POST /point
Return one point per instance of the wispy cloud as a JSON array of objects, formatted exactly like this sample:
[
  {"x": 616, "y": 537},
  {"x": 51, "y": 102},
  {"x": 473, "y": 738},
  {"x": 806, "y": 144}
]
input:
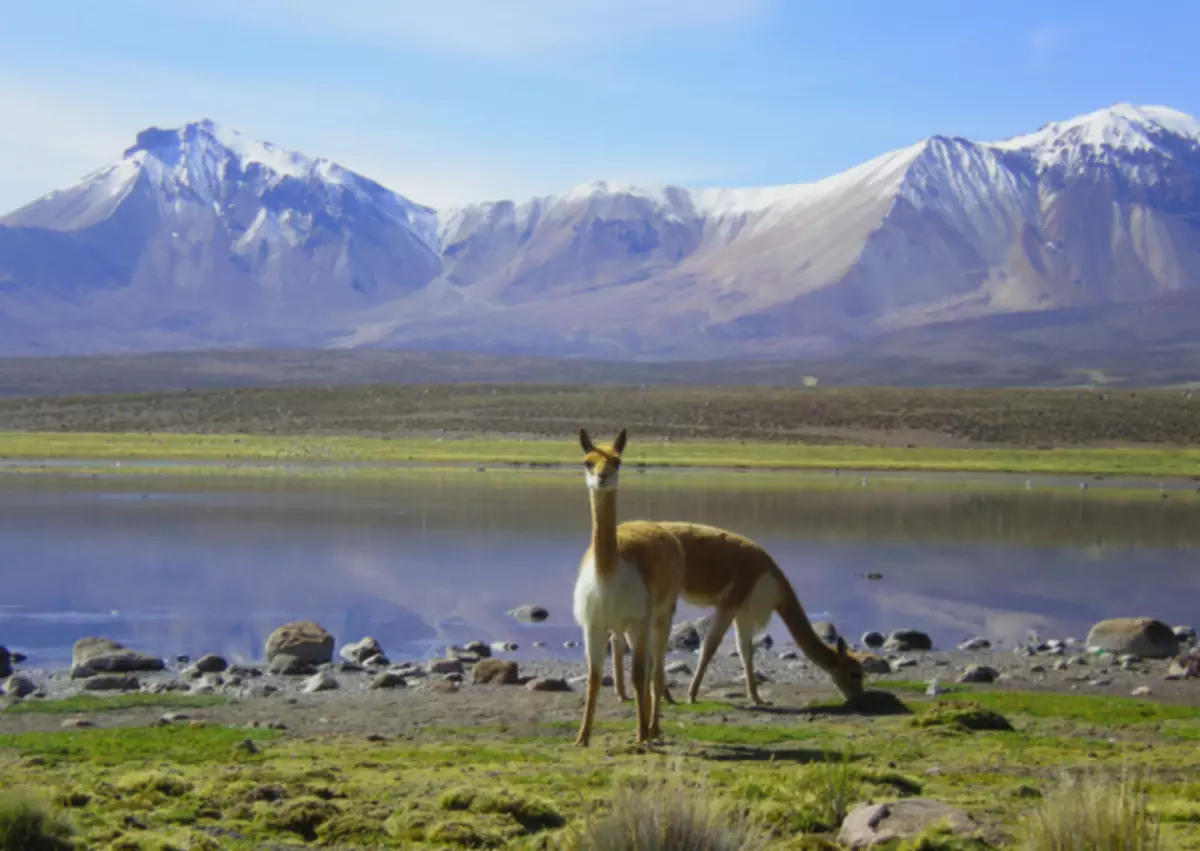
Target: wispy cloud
[
  {"x": 1042, "y": 45},
  {"x": 512, "y": 29},
  {"x": 53, "y": 134}
]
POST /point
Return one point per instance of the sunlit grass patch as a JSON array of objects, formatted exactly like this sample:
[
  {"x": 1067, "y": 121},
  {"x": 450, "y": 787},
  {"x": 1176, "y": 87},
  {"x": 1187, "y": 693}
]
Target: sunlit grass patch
[
  {"x": 172, "y": 743},
  {"x": 89, "y": 703}
]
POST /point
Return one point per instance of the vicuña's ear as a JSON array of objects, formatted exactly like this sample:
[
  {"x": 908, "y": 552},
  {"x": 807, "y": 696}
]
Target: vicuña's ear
[
  {"x": 585, "y": 441},
  {"x": 841, "y": 647},
  {"x": 619, "y": 443}
]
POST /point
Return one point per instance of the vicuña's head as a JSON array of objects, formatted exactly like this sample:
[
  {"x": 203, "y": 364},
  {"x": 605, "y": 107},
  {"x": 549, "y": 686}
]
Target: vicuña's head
[
  {"x": 602, "y": 463},
  {"x": 847, "y": 673}
]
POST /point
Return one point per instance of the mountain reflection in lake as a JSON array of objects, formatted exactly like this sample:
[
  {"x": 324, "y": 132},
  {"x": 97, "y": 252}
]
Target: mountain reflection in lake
[{"x": 193, "y": 566}]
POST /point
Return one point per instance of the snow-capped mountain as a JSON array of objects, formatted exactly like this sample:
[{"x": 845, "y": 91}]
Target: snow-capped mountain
[{"x": 201, "y": 237}]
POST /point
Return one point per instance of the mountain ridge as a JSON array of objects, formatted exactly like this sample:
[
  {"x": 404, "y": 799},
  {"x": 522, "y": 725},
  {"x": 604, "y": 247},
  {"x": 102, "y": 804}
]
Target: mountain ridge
[{"x": 201, "y": 237}]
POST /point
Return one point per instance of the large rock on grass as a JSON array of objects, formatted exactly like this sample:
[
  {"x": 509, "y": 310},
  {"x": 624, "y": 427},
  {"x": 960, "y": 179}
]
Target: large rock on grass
[
  {"x": 302, "y": 640},
  {"x": 875, "y": 824},
  {"x": 1144, "y": 637},
  {"x": 102, "y": 655}
]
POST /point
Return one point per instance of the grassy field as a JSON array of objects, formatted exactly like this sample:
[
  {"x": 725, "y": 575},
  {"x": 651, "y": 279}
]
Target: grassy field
[
  {"x": 365, "y": 450},
  {"x": 894, "y": 417},
  {"x": 789, "y": 778}
]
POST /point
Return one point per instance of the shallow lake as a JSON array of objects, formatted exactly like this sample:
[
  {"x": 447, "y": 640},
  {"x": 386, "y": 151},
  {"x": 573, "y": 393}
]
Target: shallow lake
[{"x": 423, "y": 559}]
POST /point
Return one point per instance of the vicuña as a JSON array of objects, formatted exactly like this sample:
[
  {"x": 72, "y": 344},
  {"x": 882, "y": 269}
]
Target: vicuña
[
  {"x": 628, "y": 585},
  {"x": 737, "y": 576}
]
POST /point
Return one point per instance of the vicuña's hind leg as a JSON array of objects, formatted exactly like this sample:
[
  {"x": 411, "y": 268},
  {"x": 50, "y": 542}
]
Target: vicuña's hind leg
[
  {"x": 660, "y": 633},
  {"x": 618, "y": 666},
  {"x": 712, "y": 640},
  {"x": 594, "y": 639},
  {"x": 745, "y": 640}
]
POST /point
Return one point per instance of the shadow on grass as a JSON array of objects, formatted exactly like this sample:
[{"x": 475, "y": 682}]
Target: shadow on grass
[
  {"x": 871, "y": 703},
  {"x": 748, "y": 753}
]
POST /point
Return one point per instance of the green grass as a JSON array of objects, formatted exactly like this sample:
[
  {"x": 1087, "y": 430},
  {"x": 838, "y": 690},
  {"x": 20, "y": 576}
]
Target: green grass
[
  {"x": 174, "y": 743},
  {"x": 28, "y": 825},
  {"x": 1090, "y": 709},
  {"x": 788, "y": 778},
  {"x": 727, "y": 454},
  {"x": 90, "y": 703}
]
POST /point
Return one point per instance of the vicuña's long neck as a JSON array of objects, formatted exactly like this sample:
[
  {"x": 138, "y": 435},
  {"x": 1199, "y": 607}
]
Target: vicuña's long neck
[
  {"x": 792, "y": 613},
  {"x": 604, "y": 530}
]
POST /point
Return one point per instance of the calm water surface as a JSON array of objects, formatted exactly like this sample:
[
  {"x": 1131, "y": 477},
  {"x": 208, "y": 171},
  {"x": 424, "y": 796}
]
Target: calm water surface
[{"x": 178, "y": 566}]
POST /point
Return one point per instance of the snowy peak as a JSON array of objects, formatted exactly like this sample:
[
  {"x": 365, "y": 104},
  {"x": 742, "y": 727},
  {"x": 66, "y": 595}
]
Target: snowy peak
[
  {"x": 1119, "y": 130},
  {"x": 206, "y": 140}
]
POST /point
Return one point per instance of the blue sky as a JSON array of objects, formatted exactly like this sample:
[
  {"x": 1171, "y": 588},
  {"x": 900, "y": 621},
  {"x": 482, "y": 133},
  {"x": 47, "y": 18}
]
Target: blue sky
[{"x": 449, "y": 101}]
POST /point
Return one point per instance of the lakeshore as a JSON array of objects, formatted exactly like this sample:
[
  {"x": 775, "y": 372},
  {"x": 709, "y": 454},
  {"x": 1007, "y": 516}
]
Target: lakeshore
[{"x": 193, "y": 454}]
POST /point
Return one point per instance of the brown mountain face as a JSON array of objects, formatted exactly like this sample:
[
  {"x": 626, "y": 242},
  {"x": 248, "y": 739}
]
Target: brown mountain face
[{"x": 200, "y": 238}]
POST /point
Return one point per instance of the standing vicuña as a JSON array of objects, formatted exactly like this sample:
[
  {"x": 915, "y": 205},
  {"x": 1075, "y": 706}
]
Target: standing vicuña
[
  {"x": 628, "y": 585},
  {"x": 739, "y": 578}
]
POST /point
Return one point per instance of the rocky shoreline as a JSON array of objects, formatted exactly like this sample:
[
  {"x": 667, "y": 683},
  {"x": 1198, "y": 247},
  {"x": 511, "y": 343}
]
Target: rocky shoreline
[{"x": 1137, "y": 657}]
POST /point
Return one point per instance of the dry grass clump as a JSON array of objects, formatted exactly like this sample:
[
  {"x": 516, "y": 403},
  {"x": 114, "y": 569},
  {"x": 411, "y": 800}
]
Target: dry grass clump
[
  {"x": 26, "y": 825},
  {"x": 1092, "y": 811},
  {"x": 667, "y": 815}
]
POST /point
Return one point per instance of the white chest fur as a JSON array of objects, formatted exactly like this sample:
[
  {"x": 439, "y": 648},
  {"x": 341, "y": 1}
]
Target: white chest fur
[{"x": 616, "y": 601}]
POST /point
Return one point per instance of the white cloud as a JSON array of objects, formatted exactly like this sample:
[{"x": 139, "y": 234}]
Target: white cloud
[{"x": 511, "y": 29}]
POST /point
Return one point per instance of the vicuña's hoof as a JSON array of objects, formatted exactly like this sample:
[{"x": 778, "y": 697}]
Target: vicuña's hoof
[{"x": 581, "y": 742}]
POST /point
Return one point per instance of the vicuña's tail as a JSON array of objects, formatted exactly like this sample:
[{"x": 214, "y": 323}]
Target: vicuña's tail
[{"x": 796, "y": 620}]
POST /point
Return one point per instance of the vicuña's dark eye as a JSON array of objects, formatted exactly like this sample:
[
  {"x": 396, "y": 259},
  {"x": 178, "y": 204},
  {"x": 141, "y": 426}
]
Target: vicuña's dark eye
[{"x": 589, "y": 465}]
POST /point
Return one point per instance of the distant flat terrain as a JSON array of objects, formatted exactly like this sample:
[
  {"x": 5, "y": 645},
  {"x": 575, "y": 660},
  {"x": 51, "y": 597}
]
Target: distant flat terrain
[
  {"x": 895, "y": 417},
  {"x": 1036, "y": 351}
]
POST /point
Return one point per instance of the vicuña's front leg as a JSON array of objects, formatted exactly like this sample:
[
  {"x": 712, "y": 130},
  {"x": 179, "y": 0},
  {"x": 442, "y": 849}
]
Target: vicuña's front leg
[
  {"x": 745, "y": 638},
  {"x": 593, "y": 642}
]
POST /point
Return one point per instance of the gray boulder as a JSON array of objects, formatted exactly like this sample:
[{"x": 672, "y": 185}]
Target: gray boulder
[
  {"x": 548, "y": 684},
  {"x": 529, "y": 613},
  {"x": 875, "y": 824},
  {"x": 361, "y": 651},
  {"x": 305, "y": 640},
  {"x": 689, "y": 635},
  {"x": 286, "y": 665},
  {"x": 321, "y": 681},
  {"x": 445, "y": 666},
  {"x": 112, "y": 682},
  {"x": 1145, "y": 637},
  {"x": 388, "y": 680},
  {"x": 210, "y": 663},
  {"x": 905, "y": 640},
  {"x": 978, "y": 674},
  {"x": 19, "y": 685},
  {"x": 102, "y": 655},
  {"x": 872, "y": 640}
]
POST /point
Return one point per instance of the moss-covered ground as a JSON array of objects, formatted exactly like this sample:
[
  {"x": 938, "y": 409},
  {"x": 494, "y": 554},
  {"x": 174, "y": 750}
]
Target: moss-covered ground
[{"x": 796, "y": 770}]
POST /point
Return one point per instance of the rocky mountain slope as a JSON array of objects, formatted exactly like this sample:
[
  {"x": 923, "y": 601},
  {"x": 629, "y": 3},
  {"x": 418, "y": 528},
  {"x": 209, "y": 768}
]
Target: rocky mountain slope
[{"x": 201, "y": 238}]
